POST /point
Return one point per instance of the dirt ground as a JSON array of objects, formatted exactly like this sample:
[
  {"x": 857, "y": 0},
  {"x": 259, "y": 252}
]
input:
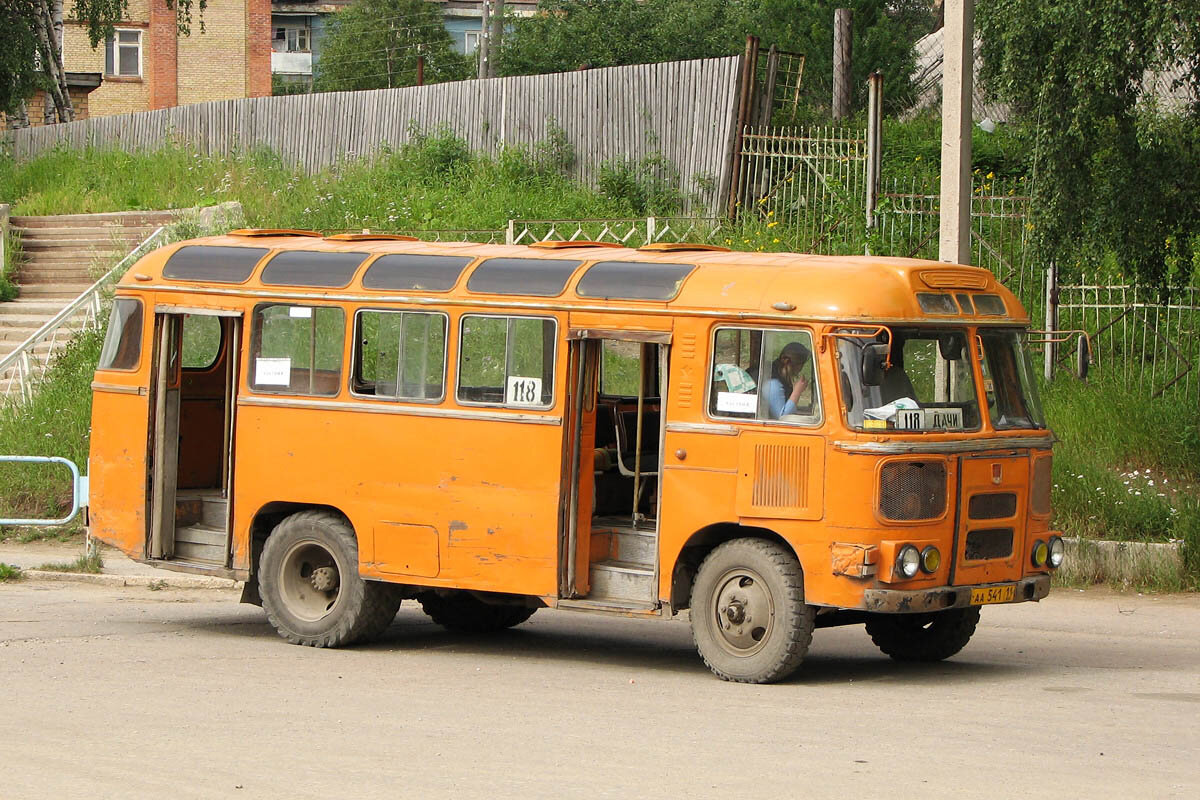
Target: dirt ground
[{"x": 126, "y": 692}]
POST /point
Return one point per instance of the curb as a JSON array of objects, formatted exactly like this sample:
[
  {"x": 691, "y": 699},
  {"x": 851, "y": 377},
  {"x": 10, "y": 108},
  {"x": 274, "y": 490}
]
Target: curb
[{"x": 169, "y": 582}]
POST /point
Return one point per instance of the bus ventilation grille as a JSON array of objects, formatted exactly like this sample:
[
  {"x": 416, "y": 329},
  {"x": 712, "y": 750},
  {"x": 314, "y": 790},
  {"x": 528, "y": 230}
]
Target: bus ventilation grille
[
  {"x": 780, "y": 476},
  {"x": 912, "y": 490},
  {"x": 989, "y": 543}
]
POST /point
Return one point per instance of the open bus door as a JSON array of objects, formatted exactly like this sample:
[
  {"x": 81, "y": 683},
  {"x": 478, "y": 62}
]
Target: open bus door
[
  {"x": 609, "y": 537},
  {"x": 193, "y": 407}
]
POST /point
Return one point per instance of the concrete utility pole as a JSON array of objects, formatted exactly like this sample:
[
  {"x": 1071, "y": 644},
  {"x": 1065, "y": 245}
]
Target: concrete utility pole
[
  {"x": 494, "y": 39},
  {"x": 842, "y": 59},
  {"x": 958, "y": 72},
  {"x": 485, "y": 33}
]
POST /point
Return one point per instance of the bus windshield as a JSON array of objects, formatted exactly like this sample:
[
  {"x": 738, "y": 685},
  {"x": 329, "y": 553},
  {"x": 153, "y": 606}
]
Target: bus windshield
[
  {"x": 929, "y": 385},
  {"x": 1009, "y": 382}
]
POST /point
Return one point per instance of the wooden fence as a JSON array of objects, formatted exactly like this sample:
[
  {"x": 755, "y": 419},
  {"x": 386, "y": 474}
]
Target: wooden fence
[{"x": 685, "y": 111}]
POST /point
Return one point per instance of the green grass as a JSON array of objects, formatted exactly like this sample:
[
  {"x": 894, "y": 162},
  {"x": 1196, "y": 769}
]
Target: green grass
[
  {"x": 9, "y": 573},
  {"x": 433, "y": 183},
  {"x": 1126, "y": 467},
  {"x": 8, "y": 269},
  {"x": 88, "y": 562}
]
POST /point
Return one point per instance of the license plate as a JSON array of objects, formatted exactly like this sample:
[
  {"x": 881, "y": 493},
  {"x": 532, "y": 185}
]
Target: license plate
[{"x": 993, "y": 594}]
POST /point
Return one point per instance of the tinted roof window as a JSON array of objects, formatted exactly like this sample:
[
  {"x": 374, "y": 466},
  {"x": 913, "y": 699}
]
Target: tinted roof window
[
  {"x": 542, "y": 277},
  {"x": 197, "y": 262},
  {"x": 633, "y": 280},
  {"x": 306, "y": 268},
  {"x": 403, "y": 272}
]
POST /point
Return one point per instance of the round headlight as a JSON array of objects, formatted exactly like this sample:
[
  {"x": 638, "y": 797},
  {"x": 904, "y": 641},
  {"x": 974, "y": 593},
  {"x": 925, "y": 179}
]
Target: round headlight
[
  {"x": 931, "y": 559},
  {"x": 1040, "y": 553},
  {"x": 1058, "y": 551},
  {"x": 908, "y": 561}
]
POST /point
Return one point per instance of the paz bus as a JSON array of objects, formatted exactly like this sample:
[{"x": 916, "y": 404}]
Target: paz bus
[{"x": 774, "y": 442}]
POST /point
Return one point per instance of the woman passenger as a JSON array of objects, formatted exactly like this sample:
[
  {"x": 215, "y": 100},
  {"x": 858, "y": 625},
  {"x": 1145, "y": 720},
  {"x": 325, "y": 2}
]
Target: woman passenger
[{"x": 786, "y": 383}]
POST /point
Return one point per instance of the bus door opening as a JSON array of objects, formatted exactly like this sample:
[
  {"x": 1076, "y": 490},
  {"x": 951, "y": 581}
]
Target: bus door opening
[
  {"x": 617, "y": 458},
  {"x": 195, "y": 385}
]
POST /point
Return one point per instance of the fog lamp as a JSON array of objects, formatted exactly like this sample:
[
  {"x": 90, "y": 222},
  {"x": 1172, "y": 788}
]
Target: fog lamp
[
  {"x": 908, "y": 561},
  {"x": 1040, "y": 553},
  {"x": 1058, "y": 550},
  {"x": 931, "y": 559}
]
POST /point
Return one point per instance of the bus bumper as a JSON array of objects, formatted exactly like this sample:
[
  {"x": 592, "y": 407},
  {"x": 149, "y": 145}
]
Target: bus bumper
[{"x": 899, "y": 601}]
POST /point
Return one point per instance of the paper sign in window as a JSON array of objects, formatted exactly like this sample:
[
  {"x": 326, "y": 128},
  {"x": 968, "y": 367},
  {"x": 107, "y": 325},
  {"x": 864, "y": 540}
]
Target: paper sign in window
[
  {"x": 523, "y": 391},
  {"x": 734, "y": 403},
  {"x": 272, "y": 371},
  {"x": 300, "y": 312}
]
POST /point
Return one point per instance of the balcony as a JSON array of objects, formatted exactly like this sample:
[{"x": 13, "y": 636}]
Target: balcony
[{"x": 291, "y": 63}]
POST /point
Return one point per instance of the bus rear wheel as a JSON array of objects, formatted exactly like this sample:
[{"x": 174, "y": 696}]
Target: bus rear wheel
[
  {"x": 923, "y": 637},
  {"x": 462, "y": 611},
  {"x": 749, "y": 619},
  {"x": 310, "y": 586}
]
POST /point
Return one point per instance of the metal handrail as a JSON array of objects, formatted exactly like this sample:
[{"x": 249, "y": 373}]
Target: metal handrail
[
  {"x": 79, "y": 489},
  {"x": 20, "y": 356}
]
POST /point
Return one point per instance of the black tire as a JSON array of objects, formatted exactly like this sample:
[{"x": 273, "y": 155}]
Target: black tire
[
  {"x": 741, "y": 583},
  {"x": 462, "y": 611},
  {"x": 310, "y": 586},
  {"x": 923, "y": 637}
]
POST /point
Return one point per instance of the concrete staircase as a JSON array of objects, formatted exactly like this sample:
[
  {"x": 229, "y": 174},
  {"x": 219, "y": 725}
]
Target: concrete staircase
[{"x": 61, "y": 257}]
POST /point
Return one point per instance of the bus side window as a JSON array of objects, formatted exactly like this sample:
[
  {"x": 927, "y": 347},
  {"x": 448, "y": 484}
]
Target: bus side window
[
  {"x": 123, "y": 343},
  {"x": 764, "y": 374},
  {"x": 297, "y": 349},
  {"x": 400, "y": 355},
  {"x": 507, "y": 361}
]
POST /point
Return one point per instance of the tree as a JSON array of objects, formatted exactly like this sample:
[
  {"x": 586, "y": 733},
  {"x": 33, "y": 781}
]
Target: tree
[
  {"x": 374, "y": 44},
  {"x": 31, "y": 59},
  {"x": 568, "y": 34},
  {"x": 1113, "y": 176}
]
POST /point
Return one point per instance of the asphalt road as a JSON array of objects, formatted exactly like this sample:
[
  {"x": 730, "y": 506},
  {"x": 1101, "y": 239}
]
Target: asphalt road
[{"x": 109, "y": 692}]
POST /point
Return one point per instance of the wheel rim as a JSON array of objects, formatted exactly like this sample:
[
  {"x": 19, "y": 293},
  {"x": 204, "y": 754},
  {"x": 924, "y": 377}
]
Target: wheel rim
[
  {"x": 742, "y": 611},
  {"x": 309, "y": 581}
]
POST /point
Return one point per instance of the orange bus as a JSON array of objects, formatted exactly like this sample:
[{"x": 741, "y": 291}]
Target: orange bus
[{"x": 776, "y": 442}]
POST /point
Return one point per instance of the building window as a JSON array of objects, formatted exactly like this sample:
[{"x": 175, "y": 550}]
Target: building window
[
  {"x": 471, "y": 42},
  {"x": 292, "y": 40},
  {"x": 123, "y": 54}
]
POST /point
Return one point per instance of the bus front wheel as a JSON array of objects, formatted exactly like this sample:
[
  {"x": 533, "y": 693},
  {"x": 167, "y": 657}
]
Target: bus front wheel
[
  {"x": 310, "y": 586},
  {"x": 749, "y": 619},
  {"x": 923, "y": 637}
]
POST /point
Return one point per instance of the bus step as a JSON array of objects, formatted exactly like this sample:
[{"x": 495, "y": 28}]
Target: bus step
[
  {"x": 622, "y": 579},
  {"x": 201, "y": 508},
  {"x": 200, "y": 543},
  {"x": 634, "y": 547}
]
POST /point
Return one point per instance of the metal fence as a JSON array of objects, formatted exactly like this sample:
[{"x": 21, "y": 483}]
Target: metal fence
[
  {"x": 811, "y": 181},
  {"x": 634, "y": 232},
  {"x": 1148, "y": 338}
]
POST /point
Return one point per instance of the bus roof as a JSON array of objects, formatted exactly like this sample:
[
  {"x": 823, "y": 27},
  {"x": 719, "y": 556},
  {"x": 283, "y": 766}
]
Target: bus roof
[{"x": 581, "y": 276}]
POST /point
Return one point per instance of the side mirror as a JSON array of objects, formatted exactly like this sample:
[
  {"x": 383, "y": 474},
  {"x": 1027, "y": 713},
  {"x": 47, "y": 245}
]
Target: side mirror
[
  {"x": 1083, "y": 358},
  {"x": 874, "y": 356}
]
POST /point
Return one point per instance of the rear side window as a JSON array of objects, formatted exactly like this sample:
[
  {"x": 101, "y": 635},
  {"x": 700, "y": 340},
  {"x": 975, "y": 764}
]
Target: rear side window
[
  {"x": 297, "y": 349},
  {"x": 400, "y": 355},
  {"x": 507, "y": 361},
  {"x": 123, "y": 342}
]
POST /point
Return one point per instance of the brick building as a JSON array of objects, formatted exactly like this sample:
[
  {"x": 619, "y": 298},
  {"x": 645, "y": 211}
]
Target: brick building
[{"x": 147, "y": 64}]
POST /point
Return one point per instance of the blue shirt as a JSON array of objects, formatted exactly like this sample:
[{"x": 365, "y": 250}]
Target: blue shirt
[{"x": 777, "y": 399}]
